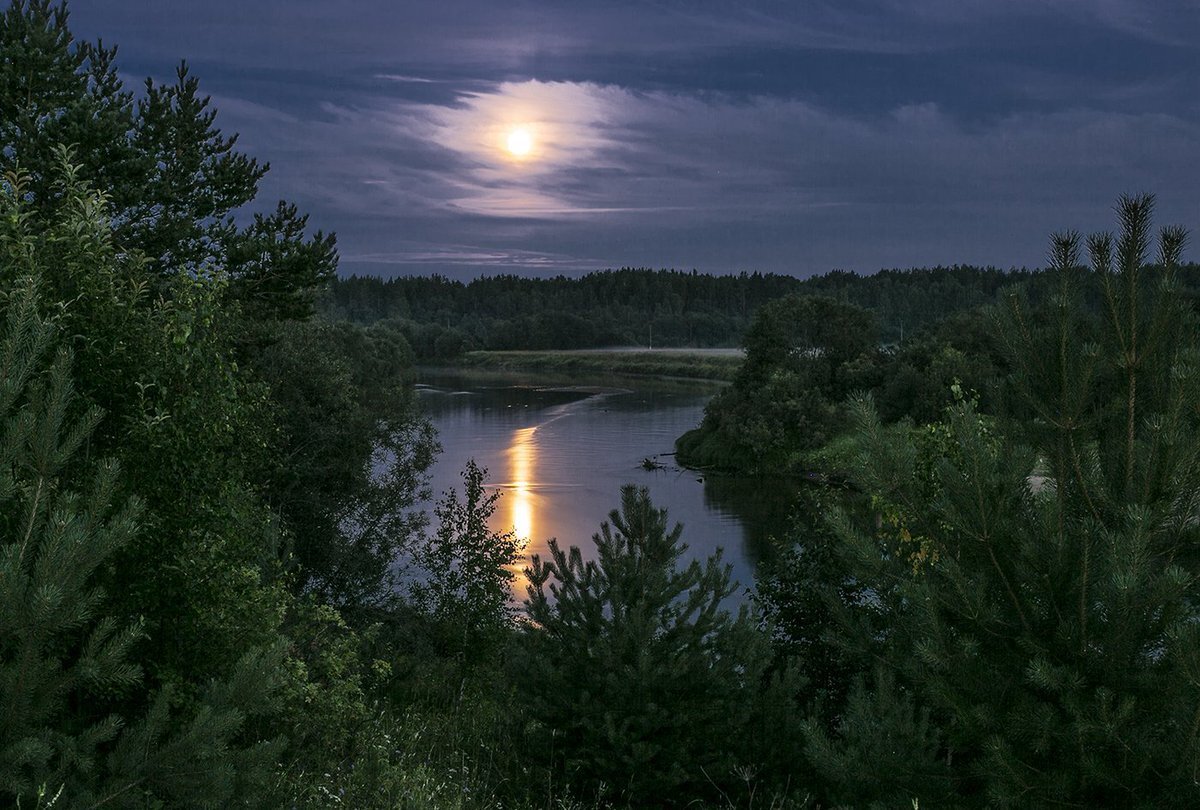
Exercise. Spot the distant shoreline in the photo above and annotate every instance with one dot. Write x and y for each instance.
(716, 365)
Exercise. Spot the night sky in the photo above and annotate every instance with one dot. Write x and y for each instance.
(793, 137)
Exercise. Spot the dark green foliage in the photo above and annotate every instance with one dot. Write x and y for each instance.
(646, 307)
(179, 419)
(57, 92)
(66, 656)
(884, 753)
(352, 455)
(201, 757)
(192, 179)
(794, 592)
(914, 380)
(177, 320)
(279, 272)
(1048, 575)
(785, 400)
(54, 648)
(786, 410)
(641, 686)
(174, 316)
(466, 573)
(177, 304)
(171, 179)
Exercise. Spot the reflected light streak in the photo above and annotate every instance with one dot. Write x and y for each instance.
(522, 455)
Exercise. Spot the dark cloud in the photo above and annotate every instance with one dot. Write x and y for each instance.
(710, 134)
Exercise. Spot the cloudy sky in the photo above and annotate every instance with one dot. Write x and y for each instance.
(793, 136)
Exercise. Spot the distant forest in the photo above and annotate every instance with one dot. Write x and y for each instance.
(442, 317)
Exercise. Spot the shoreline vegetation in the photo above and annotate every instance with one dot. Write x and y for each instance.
(709, 365)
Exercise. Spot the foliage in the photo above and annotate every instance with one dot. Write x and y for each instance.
(915, 380)
(884, 752)
(172, 180)
(54, 92)
(179, 420)
(66, 657)
(466, 572)
(1051, 636)
(351, 455)
(174, 317)
(793, 595)
(640, 685)
(640, 306)
(800, 354)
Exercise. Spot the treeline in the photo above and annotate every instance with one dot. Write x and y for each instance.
(806, 355)
(640, 307)
(785, 412)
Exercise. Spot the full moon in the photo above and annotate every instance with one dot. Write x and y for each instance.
(519, 142)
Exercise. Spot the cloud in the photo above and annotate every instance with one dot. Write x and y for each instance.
(696, 179)
(699, 133)
(402, 79)
(469, 256)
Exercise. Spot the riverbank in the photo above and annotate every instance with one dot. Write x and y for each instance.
(706, 451)
(719, 365)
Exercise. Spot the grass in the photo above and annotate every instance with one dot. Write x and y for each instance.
(673, 364)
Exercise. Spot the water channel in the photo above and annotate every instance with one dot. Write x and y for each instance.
(558, 451)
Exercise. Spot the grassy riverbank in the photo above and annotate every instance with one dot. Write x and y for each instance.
(697, 364)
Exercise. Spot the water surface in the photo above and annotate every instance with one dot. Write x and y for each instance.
(559, 454)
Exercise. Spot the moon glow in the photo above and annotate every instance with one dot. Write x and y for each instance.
(519, 142)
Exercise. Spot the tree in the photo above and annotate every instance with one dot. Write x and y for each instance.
(785, 399)
(174, 308)
(66, 655)
(466, 572)
(124, 210)
(1043, 577)
(351, 453)
(792, 592)
(799, 331)
(55, 92)
(279, 272)
(172, 179)
(180, 420)
(641, 686)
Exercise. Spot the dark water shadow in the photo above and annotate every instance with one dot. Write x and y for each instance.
(763, 507)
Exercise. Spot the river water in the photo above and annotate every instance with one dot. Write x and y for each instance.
(558, 452)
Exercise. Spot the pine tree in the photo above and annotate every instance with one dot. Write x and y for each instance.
(67, 669)
(53, 542)
(172, 179)
(56, 91)
(1042, 578)
(642, 687)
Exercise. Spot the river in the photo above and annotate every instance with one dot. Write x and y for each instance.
(559, 451)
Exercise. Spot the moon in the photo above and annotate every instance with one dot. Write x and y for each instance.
(519, 142)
